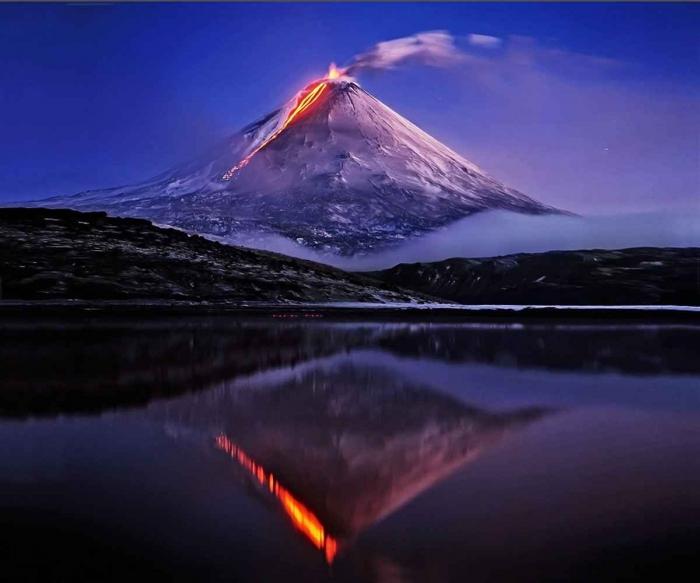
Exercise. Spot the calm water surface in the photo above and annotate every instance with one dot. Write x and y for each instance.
(259, 450)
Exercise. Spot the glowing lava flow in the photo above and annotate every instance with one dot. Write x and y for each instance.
(305, 100)
(302, 518)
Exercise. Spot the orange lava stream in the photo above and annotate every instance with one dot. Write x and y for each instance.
(302, 518)
(301, 106)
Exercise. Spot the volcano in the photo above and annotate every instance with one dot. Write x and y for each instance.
(334, 169)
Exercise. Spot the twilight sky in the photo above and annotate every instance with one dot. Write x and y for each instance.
(589, 107)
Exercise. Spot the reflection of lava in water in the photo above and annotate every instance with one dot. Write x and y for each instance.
(304, 101)
(302, 518)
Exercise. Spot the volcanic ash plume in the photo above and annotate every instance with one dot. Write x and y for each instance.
(435, 48)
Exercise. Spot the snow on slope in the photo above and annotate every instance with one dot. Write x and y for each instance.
(348, 176)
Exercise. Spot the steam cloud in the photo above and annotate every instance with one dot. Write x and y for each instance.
(435, 48)
(484, 40)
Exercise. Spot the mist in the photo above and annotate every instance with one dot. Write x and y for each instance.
(496, 233)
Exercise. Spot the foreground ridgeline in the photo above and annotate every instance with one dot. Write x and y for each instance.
(63, 254)
(58, 254)
(643, 275)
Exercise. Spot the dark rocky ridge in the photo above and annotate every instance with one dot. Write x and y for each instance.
(64, 254)
(641, 276)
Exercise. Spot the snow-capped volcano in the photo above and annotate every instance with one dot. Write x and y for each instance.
(335, 169)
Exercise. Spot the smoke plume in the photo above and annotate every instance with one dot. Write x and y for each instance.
(435, 48)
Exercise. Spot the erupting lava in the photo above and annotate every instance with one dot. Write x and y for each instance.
(302, 518)
(334, 72)
(305, 101)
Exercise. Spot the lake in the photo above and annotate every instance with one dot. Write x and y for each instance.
(303, 449)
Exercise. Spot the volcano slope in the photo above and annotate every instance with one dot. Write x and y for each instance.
(64, 254)
(346, 175)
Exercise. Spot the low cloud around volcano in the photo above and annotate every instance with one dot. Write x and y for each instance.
(503, 233)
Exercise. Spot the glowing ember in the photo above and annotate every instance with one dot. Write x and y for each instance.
(305, 101)
(334, 72)
(302, 518)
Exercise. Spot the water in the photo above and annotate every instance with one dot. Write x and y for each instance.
(263, 450)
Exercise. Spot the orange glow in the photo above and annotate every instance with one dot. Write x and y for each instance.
(304, 101)
(334, 72)
(302, 518)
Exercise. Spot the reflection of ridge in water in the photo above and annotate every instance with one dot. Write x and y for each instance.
(49, 368)
(302, 518)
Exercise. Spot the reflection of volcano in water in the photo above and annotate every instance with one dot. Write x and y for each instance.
(349, 445)
(302, 518)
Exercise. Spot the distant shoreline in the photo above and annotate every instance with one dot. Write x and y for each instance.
(344, 311)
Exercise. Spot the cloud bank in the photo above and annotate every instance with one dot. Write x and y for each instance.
(502, 233)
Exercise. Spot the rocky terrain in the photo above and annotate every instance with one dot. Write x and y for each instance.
(644, 275)
(62, 254)
(55, 254)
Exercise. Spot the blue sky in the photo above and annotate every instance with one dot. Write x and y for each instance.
(592, 107)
